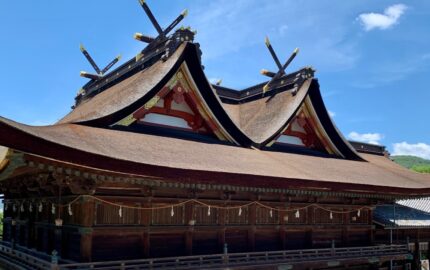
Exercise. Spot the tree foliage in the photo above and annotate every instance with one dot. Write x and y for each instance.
(421, 168)
(414, 163)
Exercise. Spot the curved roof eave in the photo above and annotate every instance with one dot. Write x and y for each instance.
(330, 128)
(110, 150)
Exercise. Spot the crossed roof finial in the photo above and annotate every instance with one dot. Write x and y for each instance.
(281, 68)
(161, 33)
(99, 72)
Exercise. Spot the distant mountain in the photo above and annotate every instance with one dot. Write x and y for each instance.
(414, 163)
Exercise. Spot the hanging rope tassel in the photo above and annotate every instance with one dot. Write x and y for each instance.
(30, 208)
(70, 210)
(331, 215)
(297, 214)
(40, 207)
(271, 213)
(240, 211)
(53, 209)
(172, 212)
(358, 213)
(22, 207)
(120, 212)
(209, 211)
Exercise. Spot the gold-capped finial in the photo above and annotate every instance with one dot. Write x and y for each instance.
(81, 47)
(142, 2)
(264, 72)
(265, 88)
(267, 41)
(138, 36)
(185, 13)
(119, 57)
(82, 73)
(296, 50)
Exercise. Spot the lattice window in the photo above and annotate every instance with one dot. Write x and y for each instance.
(237, 215)
(295, 217)
(266, 216)
(362, 219)
(109, 215)
(75, 218)
(165, 216)
(326, 217)
(204, 216)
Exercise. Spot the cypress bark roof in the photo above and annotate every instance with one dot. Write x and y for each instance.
(184, 160)
(85, 137)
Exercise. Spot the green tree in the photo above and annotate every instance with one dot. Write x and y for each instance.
(421, 168)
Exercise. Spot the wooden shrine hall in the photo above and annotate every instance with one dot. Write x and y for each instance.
(154, 165)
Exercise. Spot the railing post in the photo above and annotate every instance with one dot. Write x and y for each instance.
(407, 242)
(333, 247)
(225, 259)
(54, 260)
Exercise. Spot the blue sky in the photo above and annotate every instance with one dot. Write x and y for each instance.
(372, 57)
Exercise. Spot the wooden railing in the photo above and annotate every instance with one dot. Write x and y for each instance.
(20, 260)
(215, 261)
(244, 259)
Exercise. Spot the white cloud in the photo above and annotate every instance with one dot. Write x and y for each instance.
(283, 30)
(332, 114)
(419, 149)
(372, 138)
(383, 21)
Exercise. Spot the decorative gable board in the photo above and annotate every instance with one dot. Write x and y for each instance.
(305, 130)
(178, 105)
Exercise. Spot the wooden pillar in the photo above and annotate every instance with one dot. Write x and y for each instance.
(252, 220)
(372, 235)
(309, 238)
(146, 219)
(221, 232)
(189, 241)
(86, 244)
(26, 234)
(45, 241)
(189, 215)
(86, 231)
(88, 207)
(146, 244)
(345, 233)
(58, 240)
(282, 230)
(417, 255)
(13, 234)
(310, 220)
